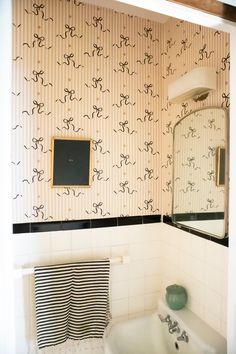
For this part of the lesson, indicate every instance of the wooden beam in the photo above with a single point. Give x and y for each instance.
(213, 7)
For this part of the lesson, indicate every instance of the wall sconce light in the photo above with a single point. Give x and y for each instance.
(195, 85)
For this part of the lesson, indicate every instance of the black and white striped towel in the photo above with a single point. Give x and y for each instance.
(72, 301)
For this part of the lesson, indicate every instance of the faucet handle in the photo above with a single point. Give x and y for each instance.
(165, 319)
(174, 327)
(183, 337)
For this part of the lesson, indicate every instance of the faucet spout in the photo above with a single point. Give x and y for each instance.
(183, 337)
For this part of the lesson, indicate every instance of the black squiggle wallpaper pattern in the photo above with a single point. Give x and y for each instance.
(195, 157)
(85, 71)
(185, 47)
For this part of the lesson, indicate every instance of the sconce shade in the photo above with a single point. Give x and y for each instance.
(196, 83)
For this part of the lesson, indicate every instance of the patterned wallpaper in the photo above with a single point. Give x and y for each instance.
(85, 71)
(195, 148)
(186, 46)
(90, 72)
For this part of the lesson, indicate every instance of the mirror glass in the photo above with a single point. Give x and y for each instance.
(200, 170)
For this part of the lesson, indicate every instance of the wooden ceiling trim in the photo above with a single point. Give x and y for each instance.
(213, 7)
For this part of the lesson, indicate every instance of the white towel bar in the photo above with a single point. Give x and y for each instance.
(114, 260)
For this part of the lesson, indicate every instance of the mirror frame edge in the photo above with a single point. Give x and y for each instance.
(226, 198)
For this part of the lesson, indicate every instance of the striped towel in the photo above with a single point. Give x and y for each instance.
(72, 301)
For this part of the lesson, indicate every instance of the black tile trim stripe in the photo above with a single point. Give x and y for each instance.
(108, 222)
(83, 224)
(222, 241)
(198, 216)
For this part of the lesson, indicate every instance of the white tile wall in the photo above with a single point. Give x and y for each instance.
(160, 255)
(201, 266)
(135, 286)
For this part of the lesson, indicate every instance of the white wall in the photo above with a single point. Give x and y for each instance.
(160, 255)
(232, 204)
(202, 267)
(135, 286)
(6, 294)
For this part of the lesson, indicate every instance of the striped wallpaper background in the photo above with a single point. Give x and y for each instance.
(94, 74)
(195, 170)
(84, 71)
(186, 46)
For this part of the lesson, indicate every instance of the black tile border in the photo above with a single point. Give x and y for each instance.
(83, 224)
(129, 220)
(108, 222)
(198, 216)
(222, 241)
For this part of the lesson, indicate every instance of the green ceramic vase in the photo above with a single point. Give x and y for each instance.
(176, 296)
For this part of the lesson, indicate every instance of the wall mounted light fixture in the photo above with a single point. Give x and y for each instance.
(195, 85)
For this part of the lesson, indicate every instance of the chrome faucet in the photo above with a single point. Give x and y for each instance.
(174, 327)
(183, 337)
(166, 319)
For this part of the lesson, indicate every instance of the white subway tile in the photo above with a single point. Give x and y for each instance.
(213, 303)
(119, 290)
(215, 279)
(137, 233)
(136, 304)
(81, 255)
(152, 284)
(119, 307)
(186, 242)
(60, 241)
(185, 263)
(101, 237)
(101, 252)
(152, 232)
(195, 306)
(152, 266)
(136, 252)
(119, 273)
(31, 295)
(21, 297)
(185, 280)
(118, 319)
(212, 320)
(224, 309)
(22, 261)
(61, 257)
(197, 269)
(120, 235)
(21, 244)
(151, 301)
(136, 287)
(33, 335)
(152, 249)
(137, 269)
(173, 255)
(197, 291)
(41, 259)
(22, 325)
(223, 329)
(224, 259)
(39, 242)
(198, 248)
(80, 239)
(120, 250)
(216, 256)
